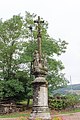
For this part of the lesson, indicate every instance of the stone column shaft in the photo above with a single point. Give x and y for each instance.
(40, 99)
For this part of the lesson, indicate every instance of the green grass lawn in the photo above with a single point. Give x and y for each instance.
(14, 115)
(24, 102)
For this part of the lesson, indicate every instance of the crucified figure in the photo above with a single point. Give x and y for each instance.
(39, 36)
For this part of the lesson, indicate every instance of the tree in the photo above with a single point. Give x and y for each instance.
(17, 44)
(50, 48)
(10, 48)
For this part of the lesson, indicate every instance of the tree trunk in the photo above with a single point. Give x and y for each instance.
(28, 101)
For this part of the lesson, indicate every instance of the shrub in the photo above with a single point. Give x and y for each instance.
(61, 102)
(57, 103)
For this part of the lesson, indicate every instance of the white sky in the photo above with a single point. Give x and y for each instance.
(63, 17)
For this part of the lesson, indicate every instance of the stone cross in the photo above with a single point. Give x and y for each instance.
(40, 85)
(39, 36)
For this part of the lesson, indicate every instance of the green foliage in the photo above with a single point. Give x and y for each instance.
(57, 103)
(17, 44)
(62, 102)
(10, 88)
(72, 100)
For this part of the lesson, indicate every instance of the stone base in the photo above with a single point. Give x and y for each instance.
(40, 100)
(42, 116)
(40, 109)
(40, 112)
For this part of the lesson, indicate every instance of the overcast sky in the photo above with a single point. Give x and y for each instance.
(63, 17)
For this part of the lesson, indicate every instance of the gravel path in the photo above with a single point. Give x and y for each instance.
(75, 116)
(71, 116)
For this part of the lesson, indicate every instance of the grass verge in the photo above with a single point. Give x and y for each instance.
(15, 115)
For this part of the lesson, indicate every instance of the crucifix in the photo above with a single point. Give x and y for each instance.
(40, 85)
(39, 36)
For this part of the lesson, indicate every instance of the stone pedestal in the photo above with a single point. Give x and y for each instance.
(40, 99)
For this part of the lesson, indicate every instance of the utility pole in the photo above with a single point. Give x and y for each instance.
(71, 84)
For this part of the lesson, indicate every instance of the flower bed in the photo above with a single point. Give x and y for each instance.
(57, 118)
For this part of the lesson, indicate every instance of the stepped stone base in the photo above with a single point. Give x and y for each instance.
(42, 116)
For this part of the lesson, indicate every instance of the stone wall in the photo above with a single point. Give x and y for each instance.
(9, 108)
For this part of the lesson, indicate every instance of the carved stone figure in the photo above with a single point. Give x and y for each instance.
(36, 58)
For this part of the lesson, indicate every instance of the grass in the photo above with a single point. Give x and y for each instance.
(25, 102)
(14, 115)
(27, 113)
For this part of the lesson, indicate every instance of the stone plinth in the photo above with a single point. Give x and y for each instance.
(40, 99)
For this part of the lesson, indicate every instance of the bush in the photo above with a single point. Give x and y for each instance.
(57, 103)
(72, 100)
(62, 102)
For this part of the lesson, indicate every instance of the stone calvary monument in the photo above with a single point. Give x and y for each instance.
(40, 85)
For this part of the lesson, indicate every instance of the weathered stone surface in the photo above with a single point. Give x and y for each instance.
(10, 108)
(40, 99)
(40, 80)
(43, 116)
(40, 89)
